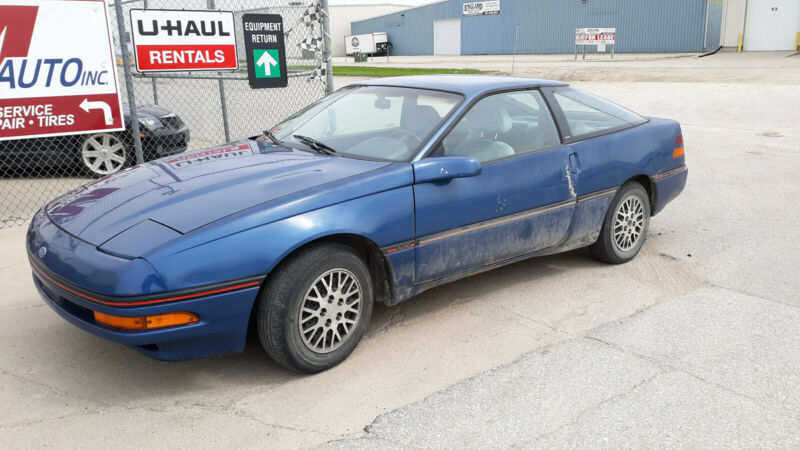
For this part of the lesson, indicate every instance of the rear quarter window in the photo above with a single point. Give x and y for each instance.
(587, 114)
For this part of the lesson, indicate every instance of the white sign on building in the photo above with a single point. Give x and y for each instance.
(484, 8)
(595, 36)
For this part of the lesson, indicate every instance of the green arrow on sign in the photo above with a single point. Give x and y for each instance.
(266, 60)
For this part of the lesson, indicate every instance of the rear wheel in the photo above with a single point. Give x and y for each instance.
(103, 154)
(315, 308)
(625, 226)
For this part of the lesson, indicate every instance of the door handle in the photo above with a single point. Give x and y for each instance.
(574, 165)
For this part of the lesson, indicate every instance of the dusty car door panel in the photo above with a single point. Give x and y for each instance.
(515, 206)
(610, 152)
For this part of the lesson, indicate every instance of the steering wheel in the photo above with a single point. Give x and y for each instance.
(407, 137)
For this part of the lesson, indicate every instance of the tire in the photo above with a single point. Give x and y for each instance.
(103, 154)
(629, 213)
(295, 328)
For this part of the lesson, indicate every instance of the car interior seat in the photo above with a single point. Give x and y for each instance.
(486, 122)
(420, 119)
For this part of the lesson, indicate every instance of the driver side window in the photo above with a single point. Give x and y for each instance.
(503, 125)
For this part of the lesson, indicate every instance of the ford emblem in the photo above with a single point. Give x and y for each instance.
(42, 252)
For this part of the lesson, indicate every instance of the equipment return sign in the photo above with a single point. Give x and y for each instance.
(266, 53)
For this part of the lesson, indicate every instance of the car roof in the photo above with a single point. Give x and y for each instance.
(468, 85)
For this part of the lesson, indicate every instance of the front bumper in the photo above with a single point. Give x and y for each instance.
(164, 142)
(76, 279)
(222, 327)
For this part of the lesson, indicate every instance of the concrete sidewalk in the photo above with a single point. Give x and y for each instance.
(714, 369)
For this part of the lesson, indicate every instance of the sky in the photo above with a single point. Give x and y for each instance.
(380, 2)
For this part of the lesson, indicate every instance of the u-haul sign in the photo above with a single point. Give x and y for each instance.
(177, 40)
(57, 71)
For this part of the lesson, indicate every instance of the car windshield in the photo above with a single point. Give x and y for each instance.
(373, 122)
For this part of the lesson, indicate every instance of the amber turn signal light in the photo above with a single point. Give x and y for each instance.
(146, 322)
(678, 152)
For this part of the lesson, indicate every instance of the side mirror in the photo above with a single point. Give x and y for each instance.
(442, 168)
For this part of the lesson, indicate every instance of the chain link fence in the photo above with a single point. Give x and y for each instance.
(174, 112)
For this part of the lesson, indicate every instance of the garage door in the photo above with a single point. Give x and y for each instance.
(447, 37)
(771, 24)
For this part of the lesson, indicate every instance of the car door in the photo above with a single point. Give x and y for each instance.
(602, 157)
(520, 203)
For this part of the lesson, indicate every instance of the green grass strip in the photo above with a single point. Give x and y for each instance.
(375, 72)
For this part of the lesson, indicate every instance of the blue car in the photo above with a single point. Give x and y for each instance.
(375, 193)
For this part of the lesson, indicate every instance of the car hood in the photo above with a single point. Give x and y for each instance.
(189, 190)
(142, 110)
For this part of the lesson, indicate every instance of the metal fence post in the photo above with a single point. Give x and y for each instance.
(153, 80)
(326, 52)
(514, 58)
(223, 104)
(126, 69)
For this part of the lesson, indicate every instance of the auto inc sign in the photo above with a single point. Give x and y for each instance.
(57, 71)
(167, 40)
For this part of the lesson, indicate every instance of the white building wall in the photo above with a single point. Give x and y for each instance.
(733, 22)
(343, 15)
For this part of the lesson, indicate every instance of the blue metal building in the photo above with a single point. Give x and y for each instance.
(548, 26)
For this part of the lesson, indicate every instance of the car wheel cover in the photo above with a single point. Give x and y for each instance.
(330, 310)
(628, 224)
(103, 153)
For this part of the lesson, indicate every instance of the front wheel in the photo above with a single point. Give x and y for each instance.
(103, 154)
(315, 308)
(625, 226)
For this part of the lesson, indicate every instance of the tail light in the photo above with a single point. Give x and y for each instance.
(678, 152)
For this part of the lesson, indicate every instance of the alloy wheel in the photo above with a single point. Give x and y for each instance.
(103, 154)
(628, 223)
(330, 310)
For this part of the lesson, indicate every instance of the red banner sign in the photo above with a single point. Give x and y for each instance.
(171, 40)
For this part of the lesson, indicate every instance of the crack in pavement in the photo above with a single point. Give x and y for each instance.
(604, 401)
(397, 314)
(369, 429)
(53, 390)
(22, 308)
(226, 408)
(26, 423)
(749, 294)
(548, 325)
(210, 409)
(666, 367)
(370, 432)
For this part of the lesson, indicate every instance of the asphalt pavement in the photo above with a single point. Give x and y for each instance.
(692, 344)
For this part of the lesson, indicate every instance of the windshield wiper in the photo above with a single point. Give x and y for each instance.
(272, 137)
(315, 144)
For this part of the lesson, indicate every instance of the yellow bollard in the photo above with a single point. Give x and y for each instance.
(741, 36)
(796, 40)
